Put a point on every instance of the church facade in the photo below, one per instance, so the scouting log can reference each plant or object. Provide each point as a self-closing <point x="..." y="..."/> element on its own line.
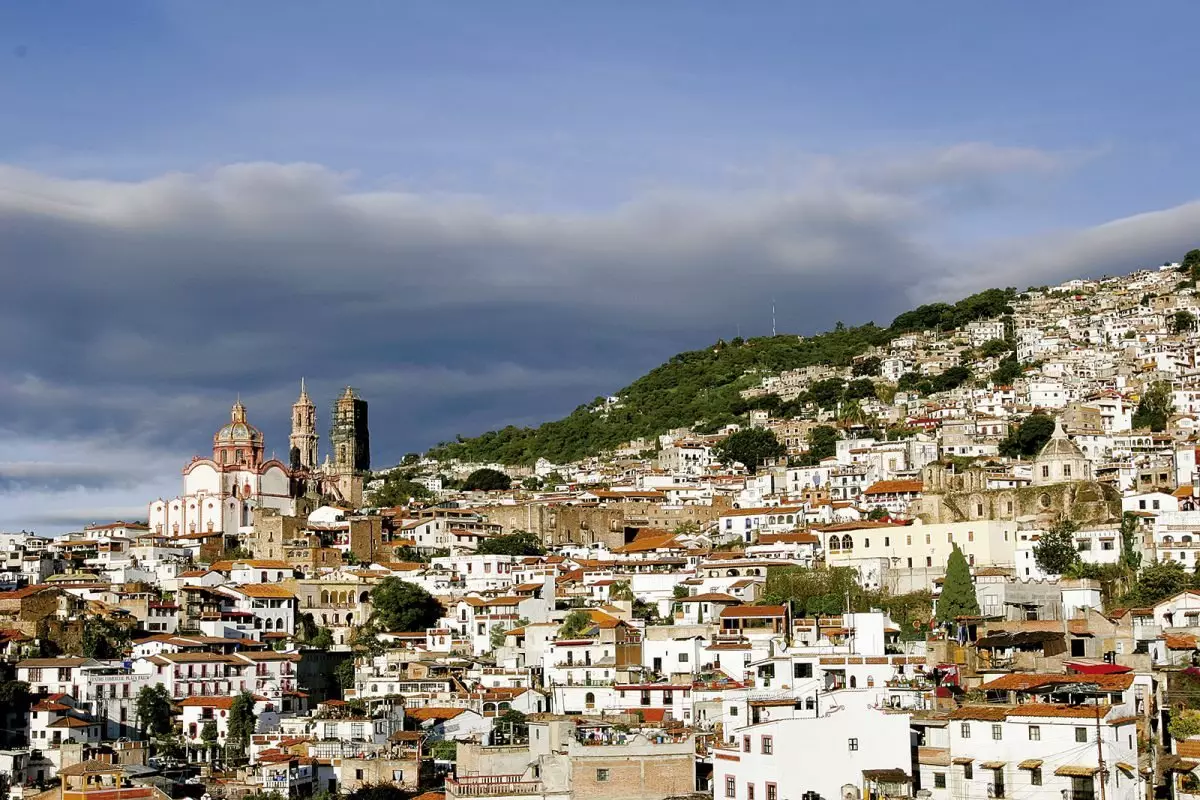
<point x="221" y="493"/>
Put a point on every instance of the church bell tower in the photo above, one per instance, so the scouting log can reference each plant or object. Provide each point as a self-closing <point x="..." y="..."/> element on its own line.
<point x="302" y="444"/>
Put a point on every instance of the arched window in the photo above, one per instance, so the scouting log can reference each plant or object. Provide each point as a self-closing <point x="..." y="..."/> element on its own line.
<point x="809" y="704"/>
<point x="853" y="682"/>
<point x="589" y="699"/>
<point x="365" y="597"/>
<point x="835" y="543"/>
<point x="1185" y="539"/>
<point x="791" y="518"/>
<point x="870" y="681"/>
<point x="847" y="542"/>
<point x="324" y="597"/>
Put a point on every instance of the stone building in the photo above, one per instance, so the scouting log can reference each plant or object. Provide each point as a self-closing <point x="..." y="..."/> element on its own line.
<point x="613" y="524"/>
<point x="1062" y="486"/>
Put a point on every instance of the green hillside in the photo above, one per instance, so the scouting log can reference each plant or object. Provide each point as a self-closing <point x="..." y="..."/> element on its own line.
<point x="701" y="387"/>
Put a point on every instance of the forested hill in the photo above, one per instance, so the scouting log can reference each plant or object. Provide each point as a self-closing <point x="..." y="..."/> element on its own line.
<point x="701" y="388"/>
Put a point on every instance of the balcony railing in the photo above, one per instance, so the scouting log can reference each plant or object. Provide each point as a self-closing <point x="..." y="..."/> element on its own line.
<point x="491" y="786"/>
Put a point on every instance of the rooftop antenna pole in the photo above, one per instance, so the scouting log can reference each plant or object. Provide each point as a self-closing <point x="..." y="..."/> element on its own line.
<point x="772" y="316"/>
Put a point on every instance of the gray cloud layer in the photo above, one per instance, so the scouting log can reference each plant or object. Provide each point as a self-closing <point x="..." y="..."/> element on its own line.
<point x="135" y="311"/>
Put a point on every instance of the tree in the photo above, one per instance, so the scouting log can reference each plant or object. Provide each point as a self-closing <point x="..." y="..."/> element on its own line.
<point x="1155" y="407"/>
<point x="1131" y="554"/>
<point x="575" y="624"/>
<point x="877" y="513"/>
<point x="822" y="442"/>
<point x="621" y="590"/>
<point x="240" y="726"/>
<point x="1055" y="551"/>
<point x="867" y="367"/>
<point x="517" y="543"/>
<point x="153" y="710"/>
<point x="344" y="672"/>
<point x="496" y="637"/>
<point x="511" y="727"/>
<point x="379" y="791"/>
<point x="532" y="483"/>
<point x="1157" y="581"/>
<point x="751" y="447"/>
<point x="1191" y="264"/>
<point x="555" y="478"/>
<point x="209" y="736"/>
<point x="1008" y="372"/>
<point x="958" y="590"/>
<point x="323" y="640"/>
<point x="399" y="491"/>
<point x="404" y="607"/>
<point x="994" y="347"/>
<point x="1183" y="321"/>
<point x="1028" y="438"/>
<point x="487" y="479"/>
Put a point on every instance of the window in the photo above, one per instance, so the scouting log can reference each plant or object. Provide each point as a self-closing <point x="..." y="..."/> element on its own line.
<point x="929" y="561"/>
<point x="749" y="791"/>
<point x="730" y="786"/>
<point x="1106" y="544"/>
<point x="1035" y="733"/>
<point x="745" y="744"/>
<point x="1035" y="776"/>
<point x="1066" y="470"/>
<point x="1045" y="471"/>
<point x="1081" y="734"/>
<point x="802" y="670"/>
<point x="997" y="732"/>
<point x="853" y="745"/>
<point x="939" y="780"/>
<point x="768" y="746"/>
<point x="772" y="792"/>
<point x="601" y="775"/>
<point x="683" y="658"/>
<point x="968" y="771"/>
<point x="1142" y="505"/>
<point x="966" y="730"/>
<point x="358" y="774"/>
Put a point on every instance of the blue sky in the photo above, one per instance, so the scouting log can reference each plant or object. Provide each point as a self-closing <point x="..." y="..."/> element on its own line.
<point x="485" y="213"/>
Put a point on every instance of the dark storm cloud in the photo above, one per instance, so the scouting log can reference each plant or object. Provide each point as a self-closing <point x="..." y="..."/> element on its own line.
<point x="141" y="309"/>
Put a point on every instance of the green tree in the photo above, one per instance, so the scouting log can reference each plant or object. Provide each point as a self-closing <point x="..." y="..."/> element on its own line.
<point x="1007" y="373"/>
<point x="323" y="640"/>
<point x="379" y="791"/>
<point x="399" y="491"/>
<point x="532" y="483"/>
<point x="958" y="590"/>
<point x="867" y="367"/>
<point x="1157" y="581"/>
<point x="1131" y="553"/>
<point x="344" y="673"/>
<point x="1055" y="551"/>
<point x="496" y="637"/>
<point x="621" y="590"/>
<point x="575" y="624"/>
<point x="209" y="736"/>
<point x="153" y="710"/>
<point x="1183" y="321"/>
<point x="240" y="727"/>
<point x="994" y="347"/>
<point x="517" y="543"/>
<point x="404" y="607"/>
<point x="487" y="479"/>
<point x="1191" y="264"/>
<point x="555" y="478"/>
<point x="876" y="514"/>
<point x="751" y="447"/>
<point x="822" y="442"/>
<point x="1155" y="407"/>
<point x="511" y="727"/>
<point x="1028" y="438"/>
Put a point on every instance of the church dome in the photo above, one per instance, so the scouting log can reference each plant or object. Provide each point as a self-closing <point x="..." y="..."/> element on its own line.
<point x="1060" y="447"/>
<point x="237" y="430"/>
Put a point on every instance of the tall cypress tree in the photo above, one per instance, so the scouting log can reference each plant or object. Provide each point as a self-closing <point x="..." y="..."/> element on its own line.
<point x="958" y="590"/>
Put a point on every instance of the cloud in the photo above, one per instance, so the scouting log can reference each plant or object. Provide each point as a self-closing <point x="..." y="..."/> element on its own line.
<point x="133" y="312"/>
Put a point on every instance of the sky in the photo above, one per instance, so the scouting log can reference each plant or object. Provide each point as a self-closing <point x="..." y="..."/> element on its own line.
<point x="482" y="214"/>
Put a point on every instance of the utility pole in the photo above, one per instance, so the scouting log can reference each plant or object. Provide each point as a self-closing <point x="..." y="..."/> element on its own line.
<point x="1100" y="756"/>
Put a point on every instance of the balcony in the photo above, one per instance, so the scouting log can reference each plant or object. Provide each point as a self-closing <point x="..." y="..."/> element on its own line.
<point x="492" y="786"/>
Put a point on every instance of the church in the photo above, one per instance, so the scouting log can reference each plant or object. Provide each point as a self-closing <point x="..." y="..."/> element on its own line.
<point x="221" y="493"/>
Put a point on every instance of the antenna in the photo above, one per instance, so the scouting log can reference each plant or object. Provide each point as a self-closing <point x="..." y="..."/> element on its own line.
<point x="772" y="316"/>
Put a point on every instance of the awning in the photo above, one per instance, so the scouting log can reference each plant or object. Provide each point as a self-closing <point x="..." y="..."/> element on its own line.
<point x="993" y="764"/>
<point x="1030" y="763"/>
<point x="964" y="760"/>
<point x="1128" y="769"/>
<point x="1076" y="771"/>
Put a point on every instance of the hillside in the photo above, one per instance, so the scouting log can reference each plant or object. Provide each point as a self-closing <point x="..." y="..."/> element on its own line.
<point x="701" y="387"/>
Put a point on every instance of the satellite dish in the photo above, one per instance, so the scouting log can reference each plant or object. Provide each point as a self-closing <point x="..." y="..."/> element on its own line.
<point x="849" y="791"/>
